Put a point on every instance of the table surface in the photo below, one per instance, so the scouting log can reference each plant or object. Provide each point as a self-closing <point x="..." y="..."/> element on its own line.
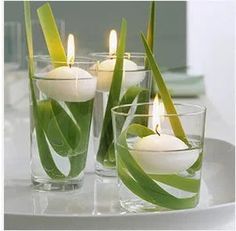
<point x="17" y="141"/>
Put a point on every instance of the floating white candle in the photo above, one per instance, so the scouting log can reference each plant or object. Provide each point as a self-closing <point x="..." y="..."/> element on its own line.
<point x="163" y="154"/>
<point x="131" y="74"/>
<point x="68" y="83"/>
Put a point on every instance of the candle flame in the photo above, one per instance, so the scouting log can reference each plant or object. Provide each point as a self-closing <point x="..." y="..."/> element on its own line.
<point x="70" y="49"/>
<point x="112" y="42"/>
<point x="157" y="112"/>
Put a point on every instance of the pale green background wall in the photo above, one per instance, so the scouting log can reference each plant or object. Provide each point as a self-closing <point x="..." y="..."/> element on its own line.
<point x="91" y="22"/>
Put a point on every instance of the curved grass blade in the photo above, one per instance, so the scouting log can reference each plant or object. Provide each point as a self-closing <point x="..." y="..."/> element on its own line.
<point x="183" y="183"/>
<point x="114" y="96"/>
<point x="150" y="188"/>
<point x="46" y="157"/>
<point x="151" y="196"/>
<point x="165" y="95"/>
<point x="131" y="184"/>
<point x="44" y="151"/>
<point x="77" y="164"/>
<point x="82" y="113"/>
<point x="62" y="133"/>
<point x="197" y="165"/>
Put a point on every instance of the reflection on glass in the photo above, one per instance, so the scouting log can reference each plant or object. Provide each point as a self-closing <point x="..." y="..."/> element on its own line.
<point x="97" y="197"/>
<point x="105" y="195"/>
<point x="69" y="202"/>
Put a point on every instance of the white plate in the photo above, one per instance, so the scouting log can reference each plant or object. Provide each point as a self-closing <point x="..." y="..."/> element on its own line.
<point x="95" y="205"/>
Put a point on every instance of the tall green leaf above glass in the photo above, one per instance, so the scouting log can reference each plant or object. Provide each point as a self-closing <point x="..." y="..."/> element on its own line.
<point x="62" y="92"/>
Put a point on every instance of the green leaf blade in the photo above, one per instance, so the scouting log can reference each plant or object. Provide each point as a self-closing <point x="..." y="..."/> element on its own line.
<point x="183" y="183"/>
<point x="62" y="133"/>
<point x="51" y="35"/>
<point x="44" y="152"/>
<point x="151" y="29"/>
<point x="82" y="113"/>
<point x="165" y="95"/>
<point x="45" y="155"/>
<point x="114" y="96"/>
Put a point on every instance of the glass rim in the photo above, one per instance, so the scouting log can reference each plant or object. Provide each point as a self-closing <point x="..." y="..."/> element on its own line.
<point x="78" y="59"/>
<point x="128" y="54"/>
<point x="37" y="77"/>
<point x="199" y="109"/>
<point x="142" y="69"/>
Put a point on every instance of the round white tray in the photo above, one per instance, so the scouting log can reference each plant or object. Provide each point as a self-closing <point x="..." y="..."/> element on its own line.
<point x="96" y="206"/>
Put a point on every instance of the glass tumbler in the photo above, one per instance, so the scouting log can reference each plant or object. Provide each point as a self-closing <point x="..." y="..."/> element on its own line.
<point x="159" y="166"/>
<point x="61" y="108"/>
<point x="134" y="75"/>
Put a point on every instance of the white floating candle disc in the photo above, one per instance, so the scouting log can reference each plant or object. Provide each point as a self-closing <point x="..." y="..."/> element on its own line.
<point x="131" y="75"/>
<point x="70" y="84"/>
<point x="164" y="154"/>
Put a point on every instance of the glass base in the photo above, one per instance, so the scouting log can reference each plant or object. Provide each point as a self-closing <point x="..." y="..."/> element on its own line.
<point x="139" y="206"/>
<point x="100" y="170"/>
<point x="50" y="185"/>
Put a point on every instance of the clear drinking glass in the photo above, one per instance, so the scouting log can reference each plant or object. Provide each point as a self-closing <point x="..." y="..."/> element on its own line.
<point x="157" y="168"/>
<point x="134" y="74"/>
<point x="61" y="111"/>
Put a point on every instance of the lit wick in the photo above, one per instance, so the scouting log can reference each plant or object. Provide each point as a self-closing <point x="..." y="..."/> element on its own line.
<point x="157" y="130"/>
